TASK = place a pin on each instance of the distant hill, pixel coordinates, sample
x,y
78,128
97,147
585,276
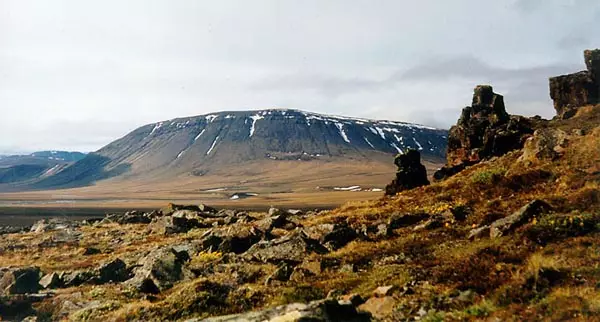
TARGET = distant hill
x,y
195,146
21,168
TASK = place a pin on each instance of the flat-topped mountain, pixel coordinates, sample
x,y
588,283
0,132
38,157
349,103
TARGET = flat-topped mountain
x,y
200,144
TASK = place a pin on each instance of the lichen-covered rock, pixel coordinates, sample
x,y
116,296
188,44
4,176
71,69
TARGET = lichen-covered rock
x,y
572,91
173,225
411,173
159,270
545,144
235,238
292,248
505,225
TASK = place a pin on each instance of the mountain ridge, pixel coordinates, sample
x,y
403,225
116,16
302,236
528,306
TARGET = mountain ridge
x,y
197,145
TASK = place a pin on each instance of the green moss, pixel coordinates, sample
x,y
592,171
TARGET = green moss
x,y
488,176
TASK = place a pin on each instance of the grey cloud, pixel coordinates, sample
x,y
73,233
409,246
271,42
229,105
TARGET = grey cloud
x,y
78,74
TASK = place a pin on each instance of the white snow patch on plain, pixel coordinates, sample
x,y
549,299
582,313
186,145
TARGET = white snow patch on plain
x,y
418,144
351,188
199,135
215,190
396,147
369,143
253,126
180,154
212,146
340,127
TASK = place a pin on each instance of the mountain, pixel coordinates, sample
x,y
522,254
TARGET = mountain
x,y
18,168
201,144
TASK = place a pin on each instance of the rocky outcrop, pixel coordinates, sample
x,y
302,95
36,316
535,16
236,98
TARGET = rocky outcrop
x,y
411,173
484,130
575,90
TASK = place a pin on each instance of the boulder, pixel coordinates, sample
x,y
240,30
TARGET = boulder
x,y
171,208
19,280
292,249
111,272
173,225
235,238
411,173
45,225
159,270
322,310
52,280
379,307
76,278
278,220
545,144
505,225
332,236
130,217
572,91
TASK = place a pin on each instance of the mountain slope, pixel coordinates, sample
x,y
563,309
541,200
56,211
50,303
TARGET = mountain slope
x,y
200,144
19,168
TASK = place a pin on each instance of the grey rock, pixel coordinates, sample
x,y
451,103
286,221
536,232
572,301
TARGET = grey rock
x,y
479,232
235,238
76,278
405,220
506,225
323,310
174,225
19,280
333,236
159,270
51,280
292,248
111,272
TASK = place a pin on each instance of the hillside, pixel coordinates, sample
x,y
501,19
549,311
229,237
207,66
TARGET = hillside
x,y
201,145
19,168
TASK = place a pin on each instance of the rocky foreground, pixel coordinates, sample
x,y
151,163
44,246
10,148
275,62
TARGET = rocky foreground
x,y
510,230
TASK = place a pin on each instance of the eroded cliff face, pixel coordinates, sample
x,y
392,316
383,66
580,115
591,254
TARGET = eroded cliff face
x,y
579,89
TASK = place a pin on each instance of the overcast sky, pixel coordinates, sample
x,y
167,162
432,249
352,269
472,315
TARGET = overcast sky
x,y
75,75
